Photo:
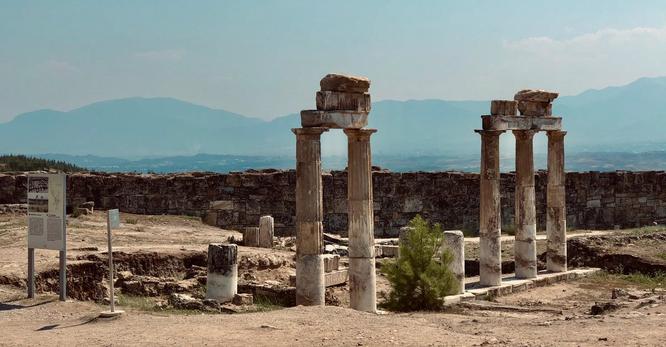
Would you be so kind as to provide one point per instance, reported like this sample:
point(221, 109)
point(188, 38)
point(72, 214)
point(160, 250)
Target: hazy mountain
point(627, 118)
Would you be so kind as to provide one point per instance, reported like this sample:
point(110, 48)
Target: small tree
point(420, 281)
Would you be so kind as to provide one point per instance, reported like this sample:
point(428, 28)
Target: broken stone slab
point(332, 101)
point(344, 83)
point(333, 278)
point(387, 251)
point(504, 107)
point(340, 119)
point(501, 123)
point(538, 95)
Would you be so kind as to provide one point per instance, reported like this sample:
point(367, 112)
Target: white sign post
point(47, 228)
point(112, 222)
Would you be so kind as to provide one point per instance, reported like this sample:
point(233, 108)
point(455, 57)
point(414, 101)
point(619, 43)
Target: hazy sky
point(265, 58)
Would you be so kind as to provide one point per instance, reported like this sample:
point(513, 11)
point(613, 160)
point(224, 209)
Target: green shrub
point(420, 281)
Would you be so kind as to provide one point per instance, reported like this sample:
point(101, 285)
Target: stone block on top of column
point(535, 103)
point(503, 107)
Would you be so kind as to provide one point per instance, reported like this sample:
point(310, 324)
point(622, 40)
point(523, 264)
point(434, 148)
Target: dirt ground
point(557, 315)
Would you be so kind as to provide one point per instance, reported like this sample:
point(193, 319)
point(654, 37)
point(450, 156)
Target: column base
point(363, 284)
point(310, 284)
point(490, 261)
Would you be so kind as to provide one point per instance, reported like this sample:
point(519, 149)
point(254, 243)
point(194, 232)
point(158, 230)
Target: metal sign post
point(112, 222)
point(47, 223)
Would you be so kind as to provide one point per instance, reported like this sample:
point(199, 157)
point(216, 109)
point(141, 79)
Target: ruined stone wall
point(594, 200)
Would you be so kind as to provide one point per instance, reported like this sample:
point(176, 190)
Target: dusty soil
point(549, 316)
point(546, 316)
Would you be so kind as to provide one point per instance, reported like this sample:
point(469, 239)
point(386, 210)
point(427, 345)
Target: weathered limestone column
point(310, 286)
point(251, 237)
point(362, 277)
point(454, 241)
point(525, 215)
point(222, 282)
point(556, 222)
point(490, 221)
point(266, 232)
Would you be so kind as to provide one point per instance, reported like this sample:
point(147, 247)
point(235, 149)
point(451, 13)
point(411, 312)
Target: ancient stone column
point(556, 222)
point(251, 237)
point(525, 215)
point(454, 241)
point(310, 286)
point(222, 282)
point(363, 296)
point(490, 221)
point(266, 231)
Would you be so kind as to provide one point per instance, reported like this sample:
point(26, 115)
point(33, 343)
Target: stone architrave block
point(521, 123)
point(344, 83)
point(334, 119)
point(332, 101)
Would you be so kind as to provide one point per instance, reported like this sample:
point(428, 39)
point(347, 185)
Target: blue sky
point(265, 58)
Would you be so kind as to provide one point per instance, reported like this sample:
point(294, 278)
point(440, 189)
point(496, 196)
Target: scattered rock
point(243, 299)
point(603, 307)
point(124, 275)
point(80, 211)
point(185, 301)
point(618, 293)
point(90, 205)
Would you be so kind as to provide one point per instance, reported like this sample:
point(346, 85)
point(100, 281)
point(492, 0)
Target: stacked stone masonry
point(594, 200)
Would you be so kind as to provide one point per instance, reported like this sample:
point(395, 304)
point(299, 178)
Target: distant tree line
point(26, 163)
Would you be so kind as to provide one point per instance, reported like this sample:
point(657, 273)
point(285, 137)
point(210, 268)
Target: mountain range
point(628, 118)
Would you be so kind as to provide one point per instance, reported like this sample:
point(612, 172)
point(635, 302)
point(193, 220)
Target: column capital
point(556, 134)
point(309, 131)
point(489, 132)
point(359, 134)
point(524, 134)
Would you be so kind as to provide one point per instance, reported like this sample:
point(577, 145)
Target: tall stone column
point(362, 278)
point(556, 222)
point(525, 215)
point(490, 221)
point(310, 286)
